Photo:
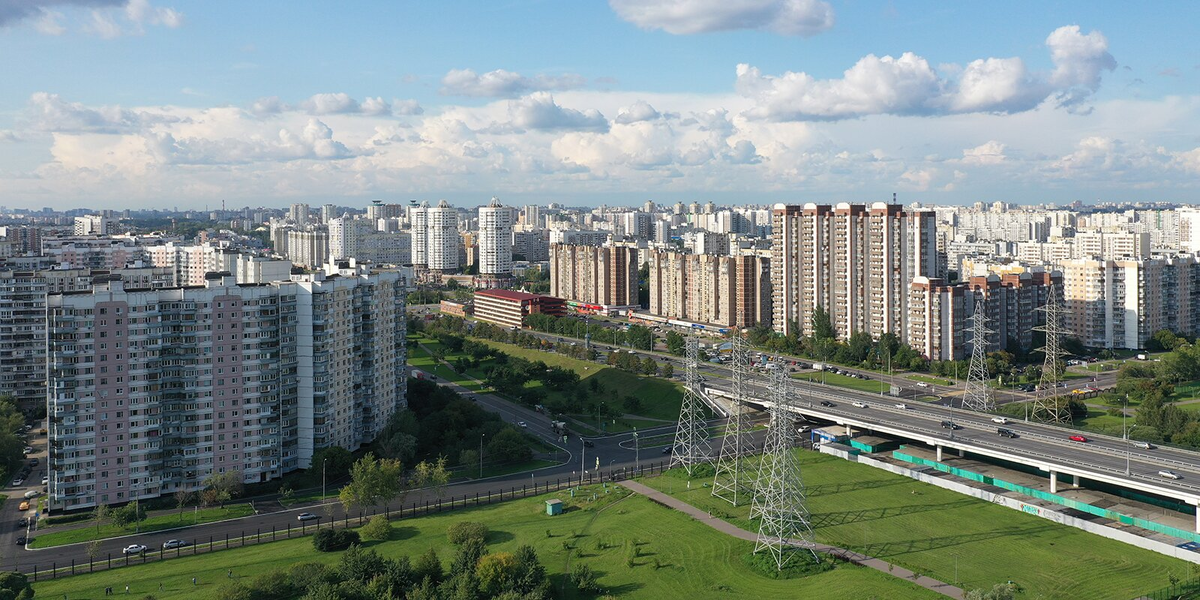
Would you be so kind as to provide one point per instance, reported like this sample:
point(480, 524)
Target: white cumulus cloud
point(539, 111)
point(786, 17)
point(910, 86)
point(504, 84)
point(988, 153)
point(330, 104)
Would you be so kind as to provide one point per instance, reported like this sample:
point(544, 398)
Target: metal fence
point(414, 509)
point(1188, 589)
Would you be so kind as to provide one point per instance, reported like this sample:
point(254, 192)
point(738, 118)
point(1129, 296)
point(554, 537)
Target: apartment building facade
point(733, 291)
point(855, 261)
point(1121, 303)
point(606, 276)
point(152, 391)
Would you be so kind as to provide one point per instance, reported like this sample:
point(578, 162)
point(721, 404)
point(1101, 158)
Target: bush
point(462, 531)
point(378, 528)
point(329, 540)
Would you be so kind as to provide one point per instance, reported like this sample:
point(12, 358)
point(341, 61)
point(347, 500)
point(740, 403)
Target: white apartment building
point(343, 237)
point(308, 248)
point(91, 225)
point(442, 238)
point(152, 391)
point(496, 223)
point(1121, 303)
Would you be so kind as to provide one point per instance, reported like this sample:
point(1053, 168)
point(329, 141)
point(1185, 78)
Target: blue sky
point(130, 103)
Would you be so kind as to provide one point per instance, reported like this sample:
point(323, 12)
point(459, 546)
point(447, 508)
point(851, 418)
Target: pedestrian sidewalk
point(928, 583)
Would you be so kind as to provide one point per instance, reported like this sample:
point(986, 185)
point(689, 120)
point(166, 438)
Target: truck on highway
point(818, 366)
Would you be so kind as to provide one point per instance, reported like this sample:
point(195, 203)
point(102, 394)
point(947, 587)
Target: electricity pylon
point(977, 395)
point(733, 481)
point(1048, 405)
point(784, 525)
point(691, 438)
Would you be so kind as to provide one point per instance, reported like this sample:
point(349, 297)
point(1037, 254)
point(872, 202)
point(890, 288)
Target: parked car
point(18, 482)
point(1078, 438)
point(1003, 432)
point(45, 481)
point(1000, 420)
point(28, 450)
point(306, 516)
point(133, 549)
point(23, 506)
point(31, 494)
point(171, 544)
point(588, 444)
point(1169, 474)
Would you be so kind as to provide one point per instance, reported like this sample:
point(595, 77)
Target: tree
point(100, 515)
point(372, 481)
point(428, 567)
point(496, 572)
point(462, 531)
point(530, 575)
point(668, 370)
point(468, 555)
point(226, 486)
point(93, 550)
point(335, 459)
point(584, 579)
point(509, 446)
point(182, 499)
point(675, 343)
point(360, 564)
point(649, 366)
point(433, 474)
point(127, 515)
point(821, 324)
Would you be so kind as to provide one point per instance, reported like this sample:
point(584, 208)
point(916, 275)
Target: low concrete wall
point(1031, 509)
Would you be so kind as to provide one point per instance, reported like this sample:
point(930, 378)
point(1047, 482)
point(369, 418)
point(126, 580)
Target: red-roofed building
point(509, 309)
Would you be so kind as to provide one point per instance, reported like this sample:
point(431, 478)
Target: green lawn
point(420, 358)
point(925, 528)
point(659, 397)
point(1100, 421)
point(873, 386)
point(680, 558)
point(46, 538)
point(931, 380)
point(1186, 391)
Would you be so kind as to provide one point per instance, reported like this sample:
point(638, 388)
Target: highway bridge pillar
point(939, 454)
point(1075, 480)
point(1053, 482)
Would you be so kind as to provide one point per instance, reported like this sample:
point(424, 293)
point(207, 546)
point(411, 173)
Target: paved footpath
point(929, 583)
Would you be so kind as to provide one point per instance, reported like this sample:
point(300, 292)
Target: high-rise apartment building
point(495, 244)
point(91, 225)
point(153, 391)
point(308, 248)
point(343, 237)
point(1121, 303)
point(734, 291)
point(442, 238)
point(328, 211)
point(419, 218)
point(855, 261)
point(605, 276)
point(299, 213)
point(533, 246)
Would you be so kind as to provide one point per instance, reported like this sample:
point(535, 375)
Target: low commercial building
point(457, 309)
point(509, 309)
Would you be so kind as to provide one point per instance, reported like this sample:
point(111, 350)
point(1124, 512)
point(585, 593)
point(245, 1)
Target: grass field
point(931, 380)
point(48, 537)
point(925, 528)
point(1186, 391)
point(865, 385)
point(680, 558)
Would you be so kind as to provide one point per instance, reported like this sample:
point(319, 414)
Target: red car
point(1078, 438)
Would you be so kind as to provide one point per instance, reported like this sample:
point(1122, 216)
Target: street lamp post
point(323, 461)
point(481, 455)
point(636, 457)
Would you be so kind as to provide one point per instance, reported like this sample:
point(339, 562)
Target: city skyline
point(137, 104)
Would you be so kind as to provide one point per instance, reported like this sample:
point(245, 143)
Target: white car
point(171, 544)
point(18, 482)
point(133, 549)
point(1143, 445)
point(1169, 474)
point(45, 480)
point(28, 450)
point(306, 516)
point(922, 384)
point(902, 406)
point(859, 405)
point(1000, 420)
point(522, 424)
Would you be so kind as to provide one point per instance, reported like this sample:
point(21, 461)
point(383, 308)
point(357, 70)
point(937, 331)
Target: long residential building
point(151, 391)
point(855, 261)
point(604, 276)
point(1121, 303)
point(734, 291)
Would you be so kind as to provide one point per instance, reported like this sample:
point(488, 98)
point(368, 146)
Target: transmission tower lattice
point(784, 526)
point(1048, 405)
point(733, 481)
point(977, 395)
point(691, 447)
